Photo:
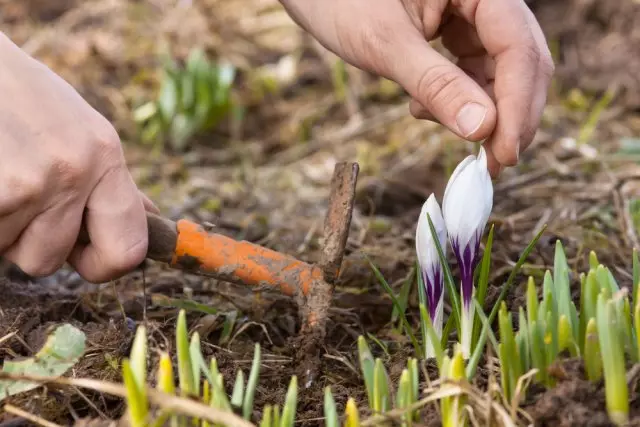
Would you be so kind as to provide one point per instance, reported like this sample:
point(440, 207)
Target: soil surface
point(267, 181)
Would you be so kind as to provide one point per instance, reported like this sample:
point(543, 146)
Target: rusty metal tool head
point(190, 247)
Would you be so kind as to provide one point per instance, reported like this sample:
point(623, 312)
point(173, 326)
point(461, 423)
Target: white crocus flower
point(467, 204)
point(430, 266)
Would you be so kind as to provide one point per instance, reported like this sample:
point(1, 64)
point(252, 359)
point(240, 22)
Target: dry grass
point(267, 179)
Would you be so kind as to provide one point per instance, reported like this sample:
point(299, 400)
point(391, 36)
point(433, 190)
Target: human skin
point(61, 162)
point(495, 92)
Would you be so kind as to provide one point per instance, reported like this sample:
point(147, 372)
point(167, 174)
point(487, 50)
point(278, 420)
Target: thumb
point(447, 93)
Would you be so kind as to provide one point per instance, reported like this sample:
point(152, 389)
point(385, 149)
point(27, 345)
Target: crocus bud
point(429, 261)
point(467, 204)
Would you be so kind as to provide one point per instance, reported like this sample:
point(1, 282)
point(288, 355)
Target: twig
point(29, 416)
point(166, 401)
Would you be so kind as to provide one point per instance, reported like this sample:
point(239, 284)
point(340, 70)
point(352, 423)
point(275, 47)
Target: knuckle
point(69, 170)
point(28, 189)
point(530, 51)
point(108, 141)
point(438, 85)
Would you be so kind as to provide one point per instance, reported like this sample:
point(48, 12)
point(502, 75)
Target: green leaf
point(247, 406)
point(367, 368)
point(483, 281)
point(61, 351)
point(291, 401)
point(485, 269)
point(227, 328)
point(592, 356)
point(137, 405)
point(532, 301)
point(197, 362)
point(472, 365)
point(403, 299)
point(636, 275)
point(429, 333)
point(330, 410)
point(381, 395)
point(138, 357)
point(238, 390)
point(507, 285)
point(396, 304)
point(266, 417)
point(168, 99)
point(185, 371)
point(616, 389)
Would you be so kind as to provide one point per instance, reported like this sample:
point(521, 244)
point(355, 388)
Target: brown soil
point(106, 49)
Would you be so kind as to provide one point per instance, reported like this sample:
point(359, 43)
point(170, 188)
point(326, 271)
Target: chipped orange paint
point(241, 262)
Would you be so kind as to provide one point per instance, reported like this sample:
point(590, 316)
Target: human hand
point(60, 160)
point(497, 90)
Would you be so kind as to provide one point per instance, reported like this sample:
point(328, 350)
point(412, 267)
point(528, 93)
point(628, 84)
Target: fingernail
point(470, 118)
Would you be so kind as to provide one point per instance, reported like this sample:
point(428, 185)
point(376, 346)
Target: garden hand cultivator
point(188, 246)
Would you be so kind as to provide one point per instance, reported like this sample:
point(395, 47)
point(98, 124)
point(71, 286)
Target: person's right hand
point(59, 160)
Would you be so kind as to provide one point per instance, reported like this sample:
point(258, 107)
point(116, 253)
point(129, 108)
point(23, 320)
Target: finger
point(149, 206)
point(517, 55)
point(11, 226)
point(43, 247)
point(543, 81)
point(481, 68)
point(117, 228)
point(461, 39)
point(419, 112)
point(493, 165)
point(441, 87)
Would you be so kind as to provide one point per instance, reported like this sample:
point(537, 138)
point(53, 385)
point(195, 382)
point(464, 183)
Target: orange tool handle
point(188, 246)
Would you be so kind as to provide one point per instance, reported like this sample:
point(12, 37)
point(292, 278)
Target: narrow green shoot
point(397, 305)
point(483, 282)
point(429, 334)
point(512, 276)
point(636, 275)
point(367, 368)
point(592, 355)
point(381, 392)
point(247, 405)
point(616, 391)
point(352, 418)
point(451, 407)
point(137, 404)
point(185, 370)
point(330, 410)
point(237, 396)
point(290, 405)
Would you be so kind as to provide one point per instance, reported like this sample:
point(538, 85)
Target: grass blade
point(330, 410)
point(247, 405)
point(396, 304)
point(507, 285)
point(185, 371)
point(238, 390)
